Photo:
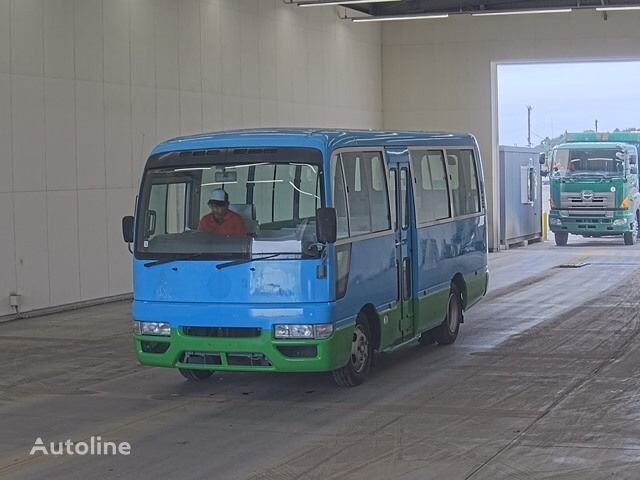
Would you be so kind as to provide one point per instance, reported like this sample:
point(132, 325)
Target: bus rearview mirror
point(127, 228)
point(326, 225)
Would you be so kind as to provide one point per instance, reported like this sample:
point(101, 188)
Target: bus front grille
point(248, 359)
point(222, 332)
point(245, 359)
point(201, 358)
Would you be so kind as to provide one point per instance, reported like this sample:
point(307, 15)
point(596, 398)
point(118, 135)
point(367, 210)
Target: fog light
point(303, 331)
point(152, 328)
point(618, 222)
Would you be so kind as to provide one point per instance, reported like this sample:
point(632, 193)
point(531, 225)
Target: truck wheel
point(195, 375)
point(630, 238)
point(561, 238)
point(356, 369)
point(447, 332)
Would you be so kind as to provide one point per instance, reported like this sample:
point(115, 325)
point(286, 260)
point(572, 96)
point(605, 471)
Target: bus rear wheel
point(195, 375)
point(447, 332)
point(359, 364)
point(561, 238)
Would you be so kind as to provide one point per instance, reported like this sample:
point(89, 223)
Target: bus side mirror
point(542, 159)
point(127, 229)
point(326, 225)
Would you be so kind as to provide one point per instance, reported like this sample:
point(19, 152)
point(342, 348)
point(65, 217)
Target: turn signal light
point(625, 203)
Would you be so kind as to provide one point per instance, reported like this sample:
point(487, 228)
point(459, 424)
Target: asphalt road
point(542, 383)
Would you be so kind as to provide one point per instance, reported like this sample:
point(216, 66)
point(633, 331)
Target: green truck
point(594, 186)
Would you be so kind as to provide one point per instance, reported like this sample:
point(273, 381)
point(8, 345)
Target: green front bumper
point(591, 225)
point(330, 354)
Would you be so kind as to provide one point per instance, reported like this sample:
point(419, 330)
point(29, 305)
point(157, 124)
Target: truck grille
point(587, 200)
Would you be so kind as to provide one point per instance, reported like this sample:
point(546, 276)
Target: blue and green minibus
point(355, 242)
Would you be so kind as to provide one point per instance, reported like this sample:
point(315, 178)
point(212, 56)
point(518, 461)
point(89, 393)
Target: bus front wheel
point(447, 332)
point(356, 369)
point(195, 375)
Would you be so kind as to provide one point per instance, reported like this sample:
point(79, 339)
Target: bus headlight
point(618, 222)
point(304, 331)
point(152, 328)
point(555, 221)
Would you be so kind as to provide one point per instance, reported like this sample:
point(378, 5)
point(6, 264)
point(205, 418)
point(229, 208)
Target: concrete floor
point(542, 383)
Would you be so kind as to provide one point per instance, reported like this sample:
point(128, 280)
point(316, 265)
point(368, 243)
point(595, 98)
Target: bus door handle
point(401, 242)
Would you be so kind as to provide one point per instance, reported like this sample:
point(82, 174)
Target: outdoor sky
point(566, 96)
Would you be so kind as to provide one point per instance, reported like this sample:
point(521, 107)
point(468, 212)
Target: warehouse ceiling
point(427, 7)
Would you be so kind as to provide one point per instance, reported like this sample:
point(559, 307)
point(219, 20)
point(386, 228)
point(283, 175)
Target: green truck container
point(594, 186)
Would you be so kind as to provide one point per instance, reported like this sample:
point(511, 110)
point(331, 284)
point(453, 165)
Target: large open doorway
point(535, 105)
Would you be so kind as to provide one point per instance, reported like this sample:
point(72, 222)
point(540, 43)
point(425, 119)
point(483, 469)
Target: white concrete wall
point(437, 74)
point(87, 87)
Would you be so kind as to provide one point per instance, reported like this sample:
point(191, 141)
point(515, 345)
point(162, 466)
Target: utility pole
point(529, 108)
point(596, 126)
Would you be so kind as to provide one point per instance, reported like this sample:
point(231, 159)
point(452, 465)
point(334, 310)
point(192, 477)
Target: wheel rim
point(454, 314)
point(359, 350)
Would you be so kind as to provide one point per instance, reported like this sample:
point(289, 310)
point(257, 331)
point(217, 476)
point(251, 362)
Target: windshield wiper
point(248, 260)
point(173, 259)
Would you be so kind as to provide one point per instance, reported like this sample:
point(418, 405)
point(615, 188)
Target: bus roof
point(318, 138)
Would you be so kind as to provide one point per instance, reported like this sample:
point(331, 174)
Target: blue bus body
point(397, 274)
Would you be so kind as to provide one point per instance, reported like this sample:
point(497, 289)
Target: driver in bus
point(221, 220)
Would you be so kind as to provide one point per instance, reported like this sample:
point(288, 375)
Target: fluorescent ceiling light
point(344, 2)
point(399, 17)
point(609, 9)
point(521, 12)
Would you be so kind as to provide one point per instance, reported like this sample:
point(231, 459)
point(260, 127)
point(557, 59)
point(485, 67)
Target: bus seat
point(248, 213)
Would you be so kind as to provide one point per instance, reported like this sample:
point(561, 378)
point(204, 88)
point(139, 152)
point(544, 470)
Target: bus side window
point(366, 192)
point(392, 197)
point(464, 182)
point(339, 196)
point(432, 197)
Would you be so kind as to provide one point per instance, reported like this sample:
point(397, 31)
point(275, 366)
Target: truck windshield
point(583, 163)
point(230, 209)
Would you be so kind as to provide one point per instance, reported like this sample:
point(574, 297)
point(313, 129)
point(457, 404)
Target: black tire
point(561, 238)
point(426, 338)
point(195, 375)
point(630, 238)
point(359, 364)
point(447, 332)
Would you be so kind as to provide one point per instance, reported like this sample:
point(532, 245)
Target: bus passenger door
point(400, 184)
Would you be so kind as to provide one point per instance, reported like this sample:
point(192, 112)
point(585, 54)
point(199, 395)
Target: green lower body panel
point(390, 327)
point(431, 309)
point(476, 287)
point(262, 353)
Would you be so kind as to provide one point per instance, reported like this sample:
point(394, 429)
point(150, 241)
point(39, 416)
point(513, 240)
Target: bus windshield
point(230, 210)
point(584, 163)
